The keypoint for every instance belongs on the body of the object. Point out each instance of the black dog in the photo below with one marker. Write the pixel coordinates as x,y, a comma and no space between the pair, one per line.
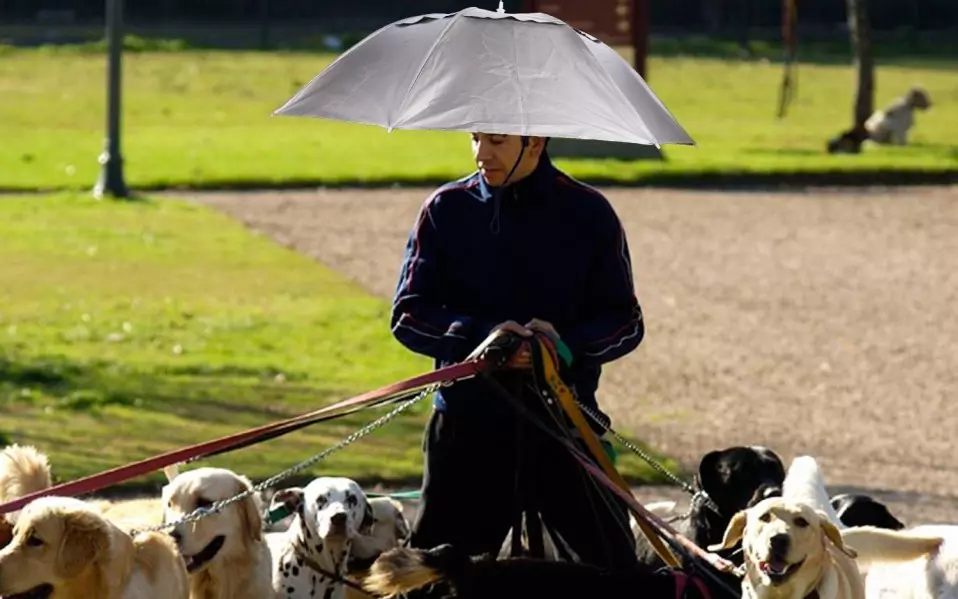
847,142
732,479
861,510
402,570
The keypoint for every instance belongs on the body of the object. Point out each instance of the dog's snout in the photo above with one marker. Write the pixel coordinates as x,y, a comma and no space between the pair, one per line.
779,544
338,519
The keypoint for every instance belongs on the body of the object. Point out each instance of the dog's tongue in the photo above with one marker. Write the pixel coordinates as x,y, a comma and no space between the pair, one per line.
191,562
774,566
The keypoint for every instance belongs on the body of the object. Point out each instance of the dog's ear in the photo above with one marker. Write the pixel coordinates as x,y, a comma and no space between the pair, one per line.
171,472
369,518
85,538
834,535
709,477
6,532
733,532
250,514
292,498
252,519
402,527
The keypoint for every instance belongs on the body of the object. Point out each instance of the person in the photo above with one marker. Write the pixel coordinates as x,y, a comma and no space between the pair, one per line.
517,246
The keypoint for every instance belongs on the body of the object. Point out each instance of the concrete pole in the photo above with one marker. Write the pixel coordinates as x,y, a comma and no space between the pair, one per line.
111,180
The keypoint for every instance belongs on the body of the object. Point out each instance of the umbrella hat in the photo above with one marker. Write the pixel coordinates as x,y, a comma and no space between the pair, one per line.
476,70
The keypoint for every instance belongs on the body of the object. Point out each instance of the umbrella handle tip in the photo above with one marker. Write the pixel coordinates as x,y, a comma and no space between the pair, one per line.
501,8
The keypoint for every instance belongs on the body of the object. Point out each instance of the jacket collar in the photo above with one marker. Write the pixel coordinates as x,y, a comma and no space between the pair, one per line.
539,180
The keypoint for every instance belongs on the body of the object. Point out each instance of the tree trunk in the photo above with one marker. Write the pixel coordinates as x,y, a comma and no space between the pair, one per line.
712,15
860,30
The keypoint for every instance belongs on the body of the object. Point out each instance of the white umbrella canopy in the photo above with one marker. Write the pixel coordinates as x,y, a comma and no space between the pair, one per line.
492,72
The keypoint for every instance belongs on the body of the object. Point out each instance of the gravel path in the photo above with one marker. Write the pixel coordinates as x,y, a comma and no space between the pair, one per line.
822,322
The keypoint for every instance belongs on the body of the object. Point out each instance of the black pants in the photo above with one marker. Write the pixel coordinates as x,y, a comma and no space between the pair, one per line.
469,494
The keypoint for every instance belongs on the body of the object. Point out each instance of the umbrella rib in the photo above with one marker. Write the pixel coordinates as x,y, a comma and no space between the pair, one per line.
515,65
616,90
405,99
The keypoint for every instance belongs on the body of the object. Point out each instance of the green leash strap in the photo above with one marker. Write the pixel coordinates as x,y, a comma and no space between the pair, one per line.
398,495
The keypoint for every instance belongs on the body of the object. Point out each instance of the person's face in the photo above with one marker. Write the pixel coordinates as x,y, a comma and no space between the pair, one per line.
496,154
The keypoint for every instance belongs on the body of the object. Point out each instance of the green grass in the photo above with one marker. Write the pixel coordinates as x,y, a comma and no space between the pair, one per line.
131,329
203,118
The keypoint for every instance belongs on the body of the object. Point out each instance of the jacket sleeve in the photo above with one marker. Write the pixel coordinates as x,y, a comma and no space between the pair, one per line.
612,324
420,319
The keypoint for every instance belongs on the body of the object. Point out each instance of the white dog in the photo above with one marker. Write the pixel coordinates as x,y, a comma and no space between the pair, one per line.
934,576
891,125
226,554
310,558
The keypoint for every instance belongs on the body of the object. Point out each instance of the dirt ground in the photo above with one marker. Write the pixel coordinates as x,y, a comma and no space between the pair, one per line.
821,322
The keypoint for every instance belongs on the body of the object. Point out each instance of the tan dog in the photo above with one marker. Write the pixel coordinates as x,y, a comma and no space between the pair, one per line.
792,551
23,470
63,549
226,554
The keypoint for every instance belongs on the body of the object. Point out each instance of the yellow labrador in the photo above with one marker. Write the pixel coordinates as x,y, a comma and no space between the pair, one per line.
62,548
792,551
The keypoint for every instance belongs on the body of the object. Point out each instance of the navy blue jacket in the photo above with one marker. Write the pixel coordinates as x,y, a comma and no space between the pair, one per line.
554,250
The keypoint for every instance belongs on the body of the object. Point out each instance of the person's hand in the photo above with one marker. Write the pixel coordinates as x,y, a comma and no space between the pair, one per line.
511,326
542,326
522,358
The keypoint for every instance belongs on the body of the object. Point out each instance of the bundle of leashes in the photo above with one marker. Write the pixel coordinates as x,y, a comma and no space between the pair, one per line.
667,542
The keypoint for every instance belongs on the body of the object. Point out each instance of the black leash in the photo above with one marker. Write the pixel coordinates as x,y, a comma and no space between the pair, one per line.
526,412
330,575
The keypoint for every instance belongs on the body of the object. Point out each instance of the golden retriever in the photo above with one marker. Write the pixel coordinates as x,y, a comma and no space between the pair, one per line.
63,549
792,550
226,553
23,470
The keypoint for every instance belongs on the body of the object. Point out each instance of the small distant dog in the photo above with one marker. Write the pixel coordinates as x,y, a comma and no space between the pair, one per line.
847,142
891,125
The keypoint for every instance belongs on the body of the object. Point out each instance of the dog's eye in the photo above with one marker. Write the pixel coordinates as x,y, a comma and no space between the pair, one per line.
801,522
351,500
765,517
34,541
202,504
321,502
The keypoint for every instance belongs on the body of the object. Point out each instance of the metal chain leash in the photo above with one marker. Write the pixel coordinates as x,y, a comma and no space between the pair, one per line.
200,513
697,494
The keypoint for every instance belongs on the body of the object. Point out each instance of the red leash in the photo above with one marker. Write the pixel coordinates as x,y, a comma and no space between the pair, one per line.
107,478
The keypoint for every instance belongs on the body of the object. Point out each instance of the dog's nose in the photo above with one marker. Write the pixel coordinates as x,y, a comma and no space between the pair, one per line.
779,544
338,519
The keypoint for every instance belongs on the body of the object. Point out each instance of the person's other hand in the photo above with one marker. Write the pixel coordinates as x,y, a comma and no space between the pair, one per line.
542,326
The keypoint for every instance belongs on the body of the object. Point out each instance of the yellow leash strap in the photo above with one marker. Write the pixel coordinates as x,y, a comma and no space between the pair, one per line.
550,369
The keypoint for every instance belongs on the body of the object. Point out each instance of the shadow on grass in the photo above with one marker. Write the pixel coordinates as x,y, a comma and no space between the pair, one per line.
692,179
97,416
209,406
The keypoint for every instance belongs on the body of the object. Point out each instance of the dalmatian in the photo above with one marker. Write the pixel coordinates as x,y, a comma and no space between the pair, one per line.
310,558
